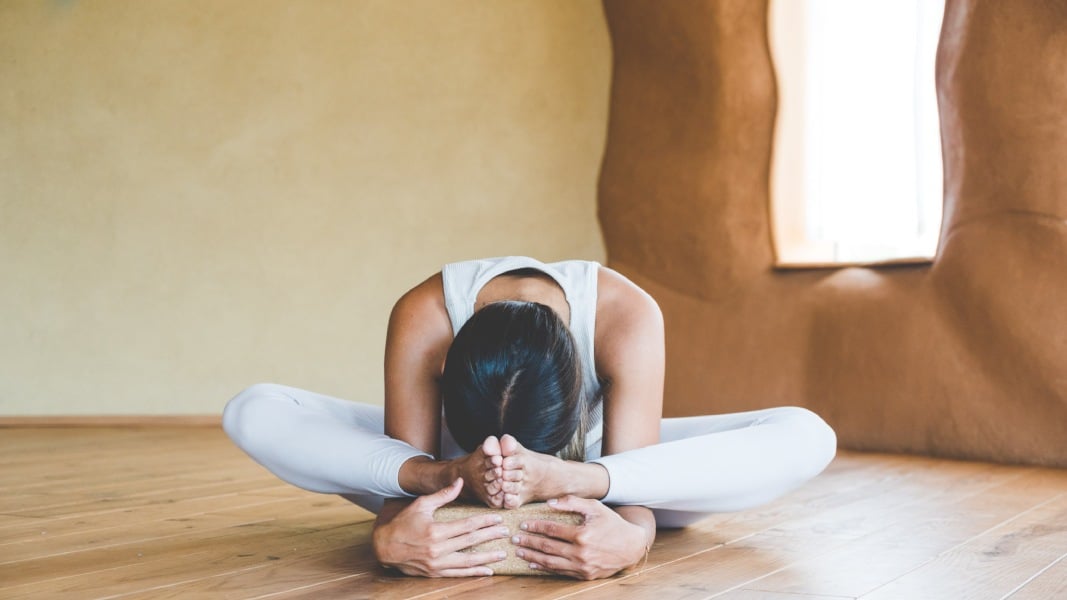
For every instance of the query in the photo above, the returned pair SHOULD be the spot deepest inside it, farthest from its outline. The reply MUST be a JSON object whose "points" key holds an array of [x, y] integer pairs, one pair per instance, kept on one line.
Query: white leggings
{"points": [[708, 464]]}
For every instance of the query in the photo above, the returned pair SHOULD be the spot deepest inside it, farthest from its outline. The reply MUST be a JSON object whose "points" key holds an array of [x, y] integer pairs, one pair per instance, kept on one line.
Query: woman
{"points": [[509, 380]]}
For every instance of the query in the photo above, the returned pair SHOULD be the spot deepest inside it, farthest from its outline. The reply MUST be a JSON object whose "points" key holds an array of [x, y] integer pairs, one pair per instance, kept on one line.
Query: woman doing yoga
{"points": [[509, 381]]}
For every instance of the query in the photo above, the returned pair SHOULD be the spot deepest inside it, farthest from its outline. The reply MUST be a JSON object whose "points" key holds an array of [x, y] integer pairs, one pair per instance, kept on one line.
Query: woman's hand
{"points": [[601, 546], [414, 543]]}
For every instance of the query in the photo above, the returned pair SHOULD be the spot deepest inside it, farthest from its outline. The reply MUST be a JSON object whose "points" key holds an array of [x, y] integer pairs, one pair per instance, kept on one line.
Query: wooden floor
{"points": [[180, 513]]}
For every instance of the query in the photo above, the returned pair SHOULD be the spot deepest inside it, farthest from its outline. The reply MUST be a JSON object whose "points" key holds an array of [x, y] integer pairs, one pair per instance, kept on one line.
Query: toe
{"points": [[509, 445], [491, 446]]}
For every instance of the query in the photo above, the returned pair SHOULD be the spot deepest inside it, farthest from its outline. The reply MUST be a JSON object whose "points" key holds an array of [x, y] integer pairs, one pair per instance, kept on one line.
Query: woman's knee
{"points": [[247, 413], [816, 437]]}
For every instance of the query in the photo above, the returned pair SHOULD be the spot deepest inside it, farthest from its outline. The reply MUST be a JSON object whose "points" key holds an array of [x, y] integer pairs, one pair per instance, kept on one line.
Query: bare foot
{"points": [[493, 478], [527, 476], [483, 470]]}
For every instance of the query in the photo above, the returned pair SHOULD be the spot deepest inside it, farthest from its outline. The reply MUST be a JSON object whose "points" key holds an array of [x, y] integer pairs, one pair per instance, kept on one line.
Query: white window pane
{"points": [[861, 99]]}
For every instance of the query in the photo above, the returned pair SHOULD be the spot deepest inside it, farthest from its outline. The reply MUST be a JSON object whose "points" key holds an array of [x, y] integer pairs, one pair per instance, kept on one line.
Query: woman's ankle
{"points": [[585, 480], [423, 475]]}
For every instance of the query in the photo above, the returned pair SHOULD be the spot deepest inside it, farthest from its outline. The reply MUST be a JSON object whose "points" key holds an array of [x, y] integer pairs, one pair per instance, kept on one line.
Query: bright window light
{"points": [[857, 166]]}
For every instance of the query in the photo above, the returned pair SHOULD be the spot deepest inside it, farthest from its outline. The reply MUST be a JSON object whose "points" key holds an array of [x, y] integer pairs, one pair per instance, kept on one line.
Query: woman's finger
{"points": [[468, 572], [547, 562], [560, 531], [473, 538], [544, 545], [451, 529], [576, 504], [467, 560], [441, 497]]}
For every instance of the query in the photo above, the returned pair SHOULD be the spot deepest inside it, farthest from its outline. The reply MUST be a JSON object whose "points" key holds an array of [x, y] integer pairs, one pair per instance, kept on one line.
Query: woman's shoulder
{"points": [[629, 351], [625, 314], [618, 296], [426, 295], [420, 313]]}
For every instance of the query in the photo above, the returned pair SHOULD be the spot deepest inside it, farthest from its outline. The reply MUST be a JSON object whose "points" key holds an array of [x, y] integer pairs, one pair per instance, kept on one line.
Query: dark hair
{"points": [[514, 368]]}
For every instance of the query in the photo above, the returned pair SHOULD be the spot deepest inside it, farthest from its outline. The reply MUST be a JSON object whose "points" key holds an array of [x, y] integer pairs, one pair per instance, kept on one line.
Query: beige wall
{"points": [[195, 196]]}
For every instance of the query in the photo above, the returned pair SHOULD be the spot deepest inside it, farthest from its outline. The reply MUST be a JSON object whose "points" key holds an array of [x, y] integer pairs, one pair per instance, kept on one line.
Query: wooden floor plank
{"points": [[37, 529], [17, 440], [824, 522], [350, 558], [828, 525], [379, 586], [112, 572], [114, 499], [746, 594], [859, 509], [1049, 583], [323, 512], [105, 472], [915, 534], [680, 550], [376, 586], [996, 561], [140, 532], [110, 513]]}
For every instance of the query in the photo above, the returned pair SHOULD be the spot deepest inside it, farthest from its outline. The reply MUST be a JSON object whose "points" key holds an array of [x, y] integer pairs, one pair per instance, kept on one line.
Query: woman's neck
{"points": [[525, 286]]}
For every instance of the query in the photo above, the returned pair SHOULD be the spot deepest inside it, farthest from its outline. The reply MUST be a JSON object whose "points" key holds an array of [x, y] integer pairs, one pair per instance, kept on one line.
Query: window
{"points": [[856, 175]]}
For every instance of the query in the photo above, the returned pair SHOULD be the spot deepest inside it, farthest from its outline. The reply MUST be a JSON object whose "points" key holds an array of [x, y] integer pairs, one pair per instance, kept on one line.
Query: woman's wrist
{"points": [[638, 547], [643, 528], [423, 475]]}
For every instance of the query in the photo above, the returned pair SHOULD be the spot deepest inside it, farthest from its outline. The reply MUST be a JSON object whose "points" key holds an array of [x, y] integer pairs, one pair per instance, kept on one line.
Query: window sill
{"points": [[786, 265]]}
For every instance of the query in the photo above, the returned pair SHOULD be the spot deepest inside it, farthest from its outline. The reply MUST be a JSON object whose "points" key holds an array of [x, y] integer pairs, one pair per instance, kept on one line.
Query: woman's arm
{"points": [[405, 534], [417, 342], [630, 359]]}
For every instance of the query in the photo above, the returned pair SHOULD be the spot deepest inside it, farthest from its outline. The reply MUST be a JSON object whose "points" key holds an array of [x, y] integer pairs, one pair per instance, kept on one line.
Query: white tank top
{"points": [[578, 278]]}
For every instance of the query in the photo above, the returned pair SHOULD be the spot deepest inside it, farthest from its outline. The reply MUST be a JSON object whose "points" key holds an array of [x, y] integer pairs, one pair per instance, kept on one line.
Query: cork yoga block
{"points": [[512, 565]]}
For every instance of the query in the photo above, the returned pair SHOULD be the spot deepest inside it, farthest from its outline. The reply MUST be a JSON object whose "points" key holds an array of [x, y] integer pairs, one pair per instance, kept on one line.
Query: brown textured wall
{"points": [[962, 358]]}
